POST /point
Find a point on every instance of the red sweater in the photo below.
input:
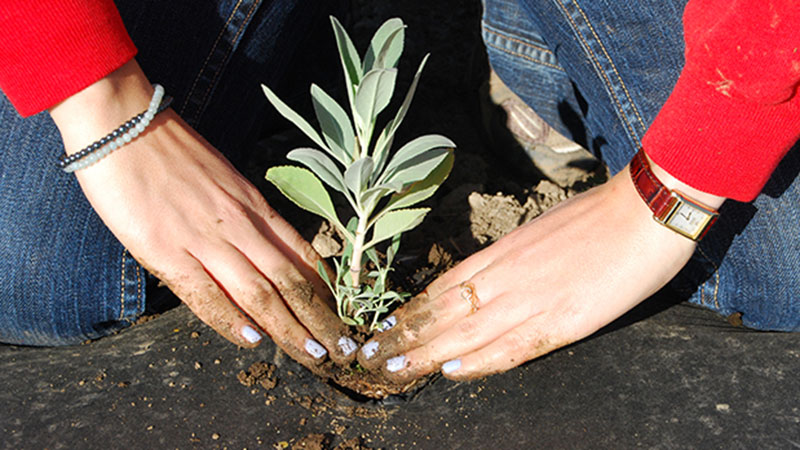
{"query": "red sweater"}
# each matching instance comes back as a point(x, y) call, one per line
point(732, 116)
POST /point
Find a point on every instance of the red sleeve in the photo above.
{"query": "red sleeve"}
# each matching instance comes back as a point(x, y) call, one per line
point(51, 49)
point(735, 110)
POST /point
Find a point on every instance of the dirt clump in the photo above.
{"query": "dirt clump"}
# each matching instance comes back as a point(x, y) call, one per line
point(352, 444)
point(261, 373)
point(315, 441)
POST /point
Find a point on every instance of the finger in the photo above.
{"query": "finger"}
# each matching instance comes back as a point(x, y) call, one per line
point(209, 303)
point(289, 242)
point(465, 318)
point(302, 300)
point(416, 323)
point(519, 345)
point(462, 271)
point(468, 335)
point(259, 299)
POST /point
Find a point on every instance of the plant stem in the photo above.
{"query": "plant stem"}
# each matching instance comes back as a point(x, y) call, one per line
point(358, 251)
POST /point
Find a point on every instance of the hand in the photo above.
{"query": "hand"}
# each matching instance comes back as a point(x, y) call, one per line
point(193, 221)
point(549, 283)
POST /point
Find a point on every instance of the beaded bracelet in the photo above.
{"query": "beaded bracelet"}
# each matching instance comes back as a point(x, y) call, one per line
point(124, 134)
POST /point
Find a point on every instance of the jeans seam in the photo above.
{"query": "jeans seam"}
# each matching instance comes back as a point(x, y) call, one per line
point(518, 41)
point(139, 297)
point(534, 60)
point(598, 68)
point(715, 296)
point(208, 57)
point(122, 287)
point(241, 29)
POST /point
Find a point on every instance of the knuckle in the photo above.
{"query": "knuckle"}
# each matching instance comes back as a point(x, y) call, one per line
point(450, 299)
point(467, 328)
point(307, 253)
point(233, 211)
point(257, 287)
point(518, 343)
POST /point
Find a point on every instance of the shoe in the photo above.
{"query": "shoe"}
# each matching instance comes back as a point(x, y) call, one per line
point(561, 160)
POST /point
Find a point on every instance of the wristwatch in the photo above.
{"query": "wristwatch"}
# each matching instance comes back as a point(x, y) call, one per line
point(670, 208)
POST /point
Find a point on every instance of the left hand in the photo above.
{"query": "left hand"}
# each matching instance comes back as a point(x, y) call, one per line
point(549, 283)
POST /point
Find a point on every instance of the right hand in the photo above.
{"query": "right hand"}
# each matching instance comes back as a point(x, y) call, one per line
point(187, 215)
point(549, 283)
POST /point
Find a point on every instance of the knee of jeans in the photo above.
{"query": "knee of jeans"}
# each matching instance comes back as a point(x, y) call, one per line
point(68, 331)
point(761, 293)
point(46, 309)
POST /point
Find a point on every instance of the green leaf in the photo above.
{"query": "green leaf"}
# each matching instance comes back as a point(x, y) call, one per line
point(422, 189)
point(373, 95)
point(396, 222)
point(372, 254)
point(324, 275)
point(351, 62)
point(386, 46)
point(384, 143)
point(417, 159)
point(371, 197)
point(392, 250)
point(321, 165)
point(293, 117)
point(347, 253)
point(335, 124)
point(304, 188)
point(357, 175)
point(351, 322)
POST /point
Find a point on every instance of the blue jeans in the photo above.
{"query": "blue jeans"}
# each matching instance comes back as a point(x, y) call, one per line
point(63, 277)
point(598, 72)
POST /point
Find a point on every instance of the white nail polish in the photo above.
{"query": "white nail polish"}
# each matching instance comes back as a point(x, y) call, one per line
point(252, 336)
point(451, 366)
point(369, 349)
point(315, 349)
point(396, 363)
point(347, 345)
point(387, 324)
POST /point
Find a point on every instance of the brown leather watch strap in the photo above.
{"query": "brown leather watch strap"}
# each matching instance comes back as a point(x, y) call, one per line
point(657, 196)
point(670, 208)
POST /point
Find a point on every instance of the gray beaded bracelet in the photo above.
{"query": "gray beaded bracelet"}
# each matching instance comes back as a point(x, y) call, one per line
point(124, 134)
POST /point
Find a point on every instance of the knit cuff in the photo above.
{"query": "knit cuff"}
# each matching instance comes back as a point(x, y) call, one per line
point(51, 50)
point(718, 144)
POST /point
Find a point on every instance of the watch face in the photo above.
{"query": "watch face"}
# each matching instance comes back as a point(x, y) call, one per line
point(688, 219)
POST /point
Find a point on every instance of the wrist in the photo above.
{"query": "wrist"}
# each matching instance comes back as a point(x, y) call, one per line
point(101, 107)
point(674, 204)
point(710, 200)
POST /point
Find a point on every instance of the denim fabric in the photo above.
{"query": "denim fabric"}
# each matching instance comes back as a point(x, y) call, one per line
point(599, 71)
point(63, 277)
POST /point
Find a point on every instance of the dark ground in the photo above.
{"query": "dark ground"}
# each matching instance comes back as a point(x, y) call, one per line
point(667, 375)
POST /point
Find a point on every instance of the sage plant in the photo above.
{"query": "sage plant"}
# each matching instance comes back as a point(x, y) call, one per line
point(350, 159)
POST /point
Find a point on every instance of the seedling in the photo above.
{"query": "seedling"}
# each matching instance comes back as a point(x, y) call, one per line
point(379, 189)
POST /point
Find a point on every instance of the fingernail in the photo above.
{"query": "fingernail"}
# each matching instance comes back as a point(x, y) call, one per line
point(315, 349)
point(451, 366)
point(252, 336)
point(396, 363)
point(369, 349)
point(347, 345)
point(387, 324)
